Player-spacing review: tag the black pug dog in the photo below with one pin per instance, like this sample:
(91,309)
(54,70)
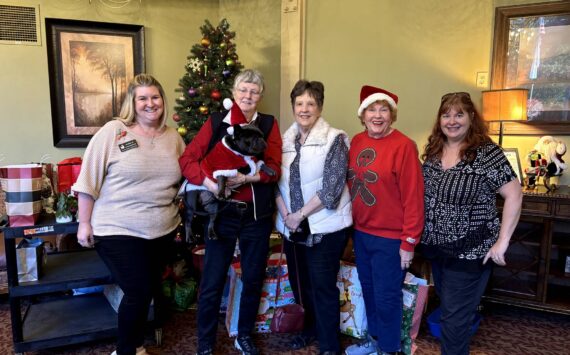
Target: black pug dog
(236,152)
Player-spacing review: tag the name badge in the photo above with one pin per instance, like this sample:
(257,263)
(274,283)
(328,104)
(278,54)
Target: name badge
(128,145)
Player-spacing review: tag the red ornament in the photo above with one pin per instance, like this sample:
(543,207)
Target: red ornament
(216,95)
(176,117)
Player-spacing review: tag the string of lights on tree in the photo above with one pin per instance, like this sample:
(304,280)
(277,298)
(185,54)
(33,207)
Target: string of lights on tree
(210,73)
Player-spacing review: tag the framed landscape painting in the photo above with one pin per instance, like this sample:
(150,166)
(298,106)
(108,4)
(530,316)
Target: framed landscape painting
(90,66)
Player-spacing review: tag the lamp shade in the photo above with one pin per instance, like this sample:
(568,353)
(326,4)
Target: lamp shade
(505,105)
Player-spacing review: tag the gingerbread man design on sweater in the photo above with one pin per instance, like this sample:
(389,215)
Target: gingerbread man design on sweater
(362,176)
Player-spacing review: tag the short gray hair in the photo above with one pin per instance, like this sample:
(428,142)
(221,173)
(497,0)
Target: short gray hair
(252,76)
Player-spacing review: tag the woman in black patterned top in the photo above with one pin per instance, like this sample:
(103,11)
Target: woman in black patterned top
(463,172)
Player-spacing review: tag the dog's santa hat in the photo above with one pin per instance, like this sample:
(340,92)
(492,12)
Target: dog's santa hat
(370,94)
(236,115)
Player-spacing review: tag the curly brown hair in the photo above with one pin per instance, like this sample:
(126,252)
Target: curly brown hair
(477,135)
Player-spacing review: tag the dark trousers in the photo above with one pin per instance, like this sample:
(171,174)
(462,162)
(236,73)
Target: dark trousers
(233,223)
(318,269)
(381,277)
(136,265)
(460,290)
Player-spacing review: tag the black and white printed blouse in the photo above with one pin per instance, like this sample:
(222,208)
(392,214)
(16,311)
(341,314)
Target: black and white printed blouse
(461,218)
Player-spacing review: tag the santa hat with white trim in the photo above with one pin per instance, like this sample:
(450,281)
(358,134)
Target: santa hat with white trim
(237,116)
(371,94)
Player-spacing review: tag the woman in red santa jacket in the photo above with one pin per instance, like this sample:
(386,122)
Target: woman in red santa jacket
(386,185)
(248,214)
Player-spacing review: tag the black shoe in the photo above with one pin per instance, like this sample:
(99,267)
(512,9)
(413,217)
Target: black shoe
(301,341)
(205,351)
(245,345)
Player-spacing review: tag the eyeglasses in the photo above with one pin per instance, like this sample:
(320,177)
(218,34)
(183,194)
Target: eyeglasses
(244,91)
(452,94)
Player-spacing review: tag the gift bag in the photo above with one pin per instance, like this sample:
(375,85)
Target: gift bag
(67,173)
(22,185)
(31,259)
(268,295)
(352,309)
(415,293)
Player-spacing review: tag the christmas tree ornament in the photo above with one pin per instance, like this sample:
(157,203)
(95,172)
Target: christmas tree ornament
(216,95)
(226,73)
(182,130)
(230,62)
(195,64)
(203,110)
(176,117)
(192,92)
(223,45)
(205,42)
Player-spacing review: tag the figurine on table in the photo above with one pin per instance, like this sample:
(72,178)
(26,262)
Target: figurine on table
(546,160)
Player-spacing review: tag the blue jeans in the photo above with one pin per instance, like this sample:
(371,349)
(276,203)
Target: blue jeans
(136,265)
(381,276)
(318,269)
(233,223)
(460,292)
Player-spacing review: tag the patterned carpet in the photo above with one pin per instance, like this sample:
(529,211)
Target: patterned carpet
(504,330)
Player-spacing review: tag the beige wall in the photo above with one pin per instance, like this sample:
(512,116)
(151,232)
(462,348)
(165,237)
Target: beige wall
(171,28)
(419,50)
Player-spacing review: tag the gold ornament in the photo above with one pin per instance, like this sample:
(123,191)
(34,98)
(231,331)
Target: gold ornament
(203,110)
(182,130)
(205,42)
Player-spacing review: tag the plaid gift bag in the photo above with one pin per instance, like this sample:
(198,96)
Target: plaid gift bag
(22,185)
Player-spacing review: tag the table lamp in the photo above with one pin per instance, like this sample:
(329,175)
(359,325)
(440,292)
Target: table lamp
(504,105)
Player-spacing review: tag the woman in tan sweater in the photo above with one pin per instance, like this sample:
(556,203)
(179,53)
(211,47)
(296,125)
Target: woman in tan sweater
(126,187)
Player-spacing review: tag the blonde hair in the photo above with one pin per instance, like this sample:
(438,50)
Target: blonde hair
(128,114)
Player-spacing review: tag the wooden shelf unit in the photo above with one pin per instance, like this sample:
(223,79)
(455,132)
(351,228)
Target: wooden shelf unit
(42,315)
(534,276)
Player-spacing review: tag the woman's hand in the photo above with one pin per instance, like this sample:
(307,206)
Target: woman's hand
(497,253)
(85,234)
(293,220)
(406,258)
(242,179)
(211,186)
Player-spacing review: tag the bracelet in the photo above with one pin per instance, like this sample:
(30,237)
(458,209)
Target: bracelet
(302,214)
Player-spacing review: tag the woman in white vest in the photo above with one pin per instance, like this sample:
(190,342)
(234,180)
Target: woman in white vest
(314,212)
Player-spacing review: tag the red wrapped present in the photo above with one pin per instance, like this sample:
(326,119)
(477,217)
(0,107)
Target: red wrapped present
(22,186)
(67,173)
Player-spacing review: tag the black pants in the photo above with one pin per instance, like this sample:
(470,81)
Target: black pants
(318,269)
(136,265)
(234,222)
(460,286)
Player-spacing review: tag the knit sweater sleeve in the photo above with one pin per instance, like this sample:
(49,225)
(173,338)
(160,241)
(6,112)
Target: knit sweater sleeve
(272,155)
(95,160)
(411,186)
(194,153)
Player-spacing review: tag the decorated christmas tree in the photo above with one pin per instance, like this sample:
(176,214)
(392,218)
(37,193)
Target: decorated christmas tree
(210,72)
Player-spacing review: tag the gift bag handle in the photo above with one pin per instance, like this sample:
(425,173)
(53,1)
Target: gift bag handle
(278,290)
